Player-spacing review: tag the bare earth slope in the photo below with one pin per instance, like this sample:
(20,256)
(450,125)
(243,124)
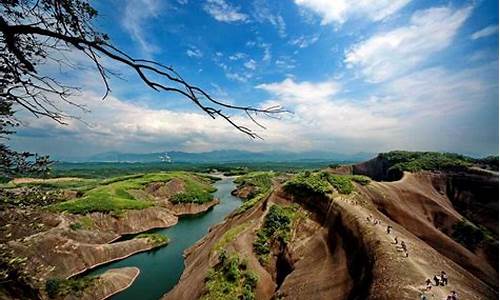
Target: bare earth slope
(338,251)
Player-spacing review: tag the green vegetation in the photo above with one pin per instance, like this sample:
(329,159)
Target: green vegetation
(85,222)
(192,197)
(61,287)
(431,161)
(230,279)
(341,183)
(361,179)
(469,234)
(307,183)
(277,227)
(112,195)
(229,236)
(261,182)
(111,169)
(157,238)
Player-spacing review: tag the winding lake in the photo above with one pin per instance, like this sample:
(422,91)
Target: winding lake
(161,268)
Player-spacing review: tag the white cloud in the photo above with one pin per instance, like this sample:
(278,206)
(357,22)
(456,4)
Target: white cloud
(323,117)
(392,53)
(251,64)
(137,14)
(237,56)
(338,11)
(223,11)
(262,13)
(304,42)
(194,52)
(285,62)
(412,112)
(485,32)
(267,52)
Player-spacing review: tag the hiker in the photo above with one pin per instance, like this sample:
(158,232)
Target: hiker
(389,228)
(396,240)
(437,279)
(444,278)
(403,246)
(452,296)
(428,284)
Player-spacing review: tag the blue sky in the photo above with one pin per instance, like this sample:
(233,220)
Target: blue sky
(359,76)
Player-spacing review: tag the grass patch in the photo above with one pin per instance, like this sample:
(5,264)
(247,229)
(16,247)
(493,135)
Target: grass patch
(61,287)
(321,183)
(277,227)
(308,183)
(400,161)
(470,235)
(112,195)
(229,236)
(342,184)
(157,238)
(192,197)
(230,279)
(252,202)
(361,179)
(262,183)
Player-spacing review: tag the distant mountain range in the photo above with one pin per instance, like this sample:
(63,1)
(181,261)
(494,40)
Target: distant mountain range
(223,156)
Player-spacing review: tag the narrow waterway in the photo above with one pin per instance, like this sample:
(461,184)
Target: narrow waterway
(162,268)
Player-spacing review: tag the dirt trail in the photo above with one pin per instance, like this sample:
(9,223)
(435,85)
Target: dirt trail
(403,277)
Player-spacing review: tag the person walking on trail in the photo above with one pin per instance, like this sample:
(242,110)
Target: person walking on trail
(444,278)
(428,284)
(452,296)
(396,240)
(403,246)
(437,279)
(389,228)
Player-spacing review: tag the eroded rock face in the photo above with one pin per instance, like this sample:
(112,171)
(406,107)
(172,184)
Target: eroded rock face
(111,282)
(335,253)
(165,190)
(52,255)
(181,209)
(134,221)
(245,192)
(420,204)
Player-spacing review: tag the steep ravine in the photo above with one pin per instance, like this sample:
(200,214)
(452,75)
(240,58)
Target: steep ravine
(335,253)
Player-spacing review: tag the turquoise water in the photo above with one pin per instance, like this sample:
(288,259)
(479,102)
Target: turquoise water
(162,268)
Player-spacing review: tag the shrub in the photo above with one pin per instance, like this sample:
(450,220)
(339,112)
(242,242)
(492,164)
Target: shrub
(431,161)
(304,184)
(277,227)
(361,179)
(75,226)
(262,181)
(230,279)
(157,238)
(192,197)
(56,287)
(341,183)
(469,234)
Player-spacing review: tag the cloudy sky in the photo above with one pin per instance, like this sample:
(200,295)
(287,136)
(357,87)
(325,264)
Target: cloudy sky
(358,76)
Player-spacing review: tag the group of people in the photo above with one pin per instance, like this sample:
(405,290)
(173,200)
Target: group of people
(439,280)
(374,221)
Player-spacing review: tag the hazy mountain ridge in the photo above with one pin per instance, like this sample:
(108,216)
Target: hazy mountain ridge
(222,156)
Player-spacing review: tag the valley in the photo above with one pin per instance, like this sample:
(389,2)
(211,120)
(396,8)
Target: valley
(371,230)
